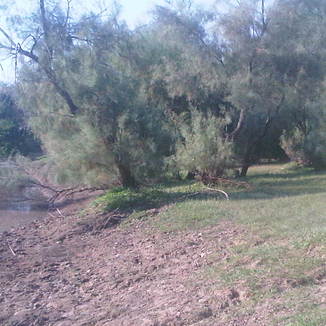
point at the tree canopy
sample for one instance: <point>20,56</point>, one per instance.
<point>193,90</point>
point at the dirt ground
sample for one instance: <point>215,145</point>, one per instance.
<point>61,272</point>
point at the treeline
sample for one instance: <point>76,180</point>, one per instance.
<point>193,91</point>
<point>15,136</point>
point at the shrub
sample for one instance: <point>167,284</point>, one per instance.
<point>293,144</point>
<point>315,148</point>
<point>308,150</point>
<point>202,146</point>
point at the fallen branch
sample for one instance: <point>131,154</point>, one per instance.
<point>58,210</point>
<point>220,181</point>
<point>41,185</point>
<point>71,191</point>
<point>219,190</point>
<point>12,250</point>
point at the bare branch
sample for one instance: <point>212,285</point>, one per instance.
<point>237,129</point>
<point>28,54</point>
<point>68,13</point>
<point>263,13</point>
<point>44,20</point>
<point>219,190</point>
<point>13,44</point>
<point>88,41</point>
<point>12,251</point>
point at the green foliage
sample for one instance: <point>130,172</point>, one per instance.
<point>11,179</point>
<point>116,135</point>
<point>109,103</point>
<point>14,135</point>
<point>293,145</point>
<point>315,145</point>
<point>307,148</point>
<point>203,146</point>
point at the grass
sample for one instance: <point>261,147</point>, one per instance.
<point>124,199</point>
<point>313,318</point>
<point>285,210</point>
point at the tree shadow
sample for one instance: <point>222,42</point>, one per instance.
<point>265,186</point>
<point>268,186</point>
<point>290,175</point>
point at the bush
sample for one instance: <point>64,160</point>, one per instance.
<point>315,148</point>
<point>293,144</point>
<point>308,150</point>
<point>202,146</point>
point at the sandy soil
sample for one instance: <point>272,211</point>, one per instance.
<point>62,272</point>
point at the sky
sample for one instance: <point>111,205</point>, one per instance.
<point>133,11</point>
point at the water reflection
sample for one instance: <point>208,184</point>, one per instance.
<point>21,210</point>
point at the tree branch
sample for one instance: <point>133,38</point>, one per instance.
<point>52,77</point>
<point>237,129</point>
<point>13,44</point>
<point>28,54</point>
<point>68,13</point>
<point>44,20</point>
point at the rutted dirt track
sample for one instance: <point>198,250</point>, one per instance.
<point>66,274</point>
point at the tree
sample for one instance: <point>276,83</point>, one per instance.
<point>15,137</point>
<point>83,90</point>
<point>108,102</point>
<point>303,138</point>
<point>226,70</point>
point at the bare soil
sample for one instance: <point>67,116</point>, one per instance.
<point>62,272</point>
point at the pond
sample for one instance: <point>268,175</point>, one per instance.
<point>21,210</point>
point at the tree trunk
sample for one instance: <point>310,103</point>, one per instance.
<point>244,170</point>
<point>239,126</point>
<point>126,177</point>
<point>191,175</point>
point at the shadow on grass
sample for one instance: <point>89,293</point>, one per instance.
<point>156,198</point>
<point>165,199</point>
<point>286,175</point>
<point>277,185</point>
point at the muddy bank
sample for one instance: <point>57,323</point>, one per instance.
<point>66,272</point>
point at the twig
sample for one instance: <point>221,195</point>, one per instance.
<point>71,191</point>
<point>12,43</point>
<point>221,191</point>
<point>12,251</point>
<point>58,210</point>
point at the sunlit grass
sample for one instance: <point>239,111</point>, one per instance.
<point>285,210</point>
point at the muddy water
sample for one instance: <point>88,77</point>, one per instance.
<point>19,211</point>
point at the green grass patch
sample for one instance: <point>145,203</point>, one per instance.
<point>120,198</point>
<point>311,315</point>
<point>286,210</point>
<point>282,257</point>
<point>147,197</point>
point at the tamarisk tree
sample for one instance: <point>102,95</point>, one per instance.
<point>81,85</point>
